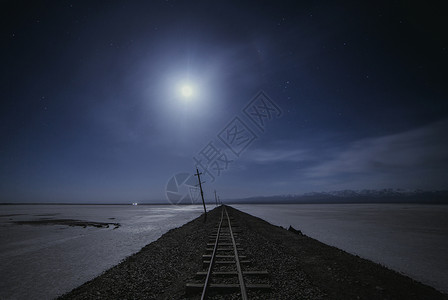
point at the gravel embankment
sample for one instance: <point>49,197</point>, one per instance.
<point>300,267</point>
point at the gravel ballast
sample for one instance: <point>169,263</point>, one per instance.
<point>299,267</point>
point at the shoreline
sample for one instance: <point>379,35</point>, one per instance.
<point>300,267</point>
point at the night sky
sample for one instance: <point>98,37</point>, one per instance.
<point>94,107</point>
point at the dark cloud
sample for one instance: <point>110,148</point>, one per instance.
<point>416,158</point>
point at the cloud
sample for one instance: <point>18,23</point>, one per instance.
<point>266,156</point>
<point>413,159</point>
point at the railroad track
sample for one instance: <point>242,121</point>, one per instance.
<point>223,264</point>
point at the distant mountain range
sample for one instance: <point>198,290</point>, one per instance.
<point>351,196</point>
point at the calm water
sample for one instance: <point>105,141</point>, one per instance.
<point>42,262</point>
<point>411,239</point>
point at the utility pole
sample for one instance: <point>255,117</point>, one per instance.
<point>202,193</point>
<point>216,199</point>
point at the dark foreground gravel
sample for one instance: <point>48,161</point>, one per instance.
<point>299,266</point>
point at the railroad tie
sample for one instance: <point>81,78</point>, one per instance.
<point>223,260</point>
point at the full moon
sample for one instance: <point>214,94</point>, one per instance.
<point>187,91</point>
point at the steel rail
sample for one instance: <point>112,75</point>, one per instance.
<point>212,260</point>
<point>237,261</point>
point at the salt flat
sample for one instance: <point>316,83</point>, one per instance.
<point>411,239</point>
<point>44,261</point>
<point>41,262</point>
